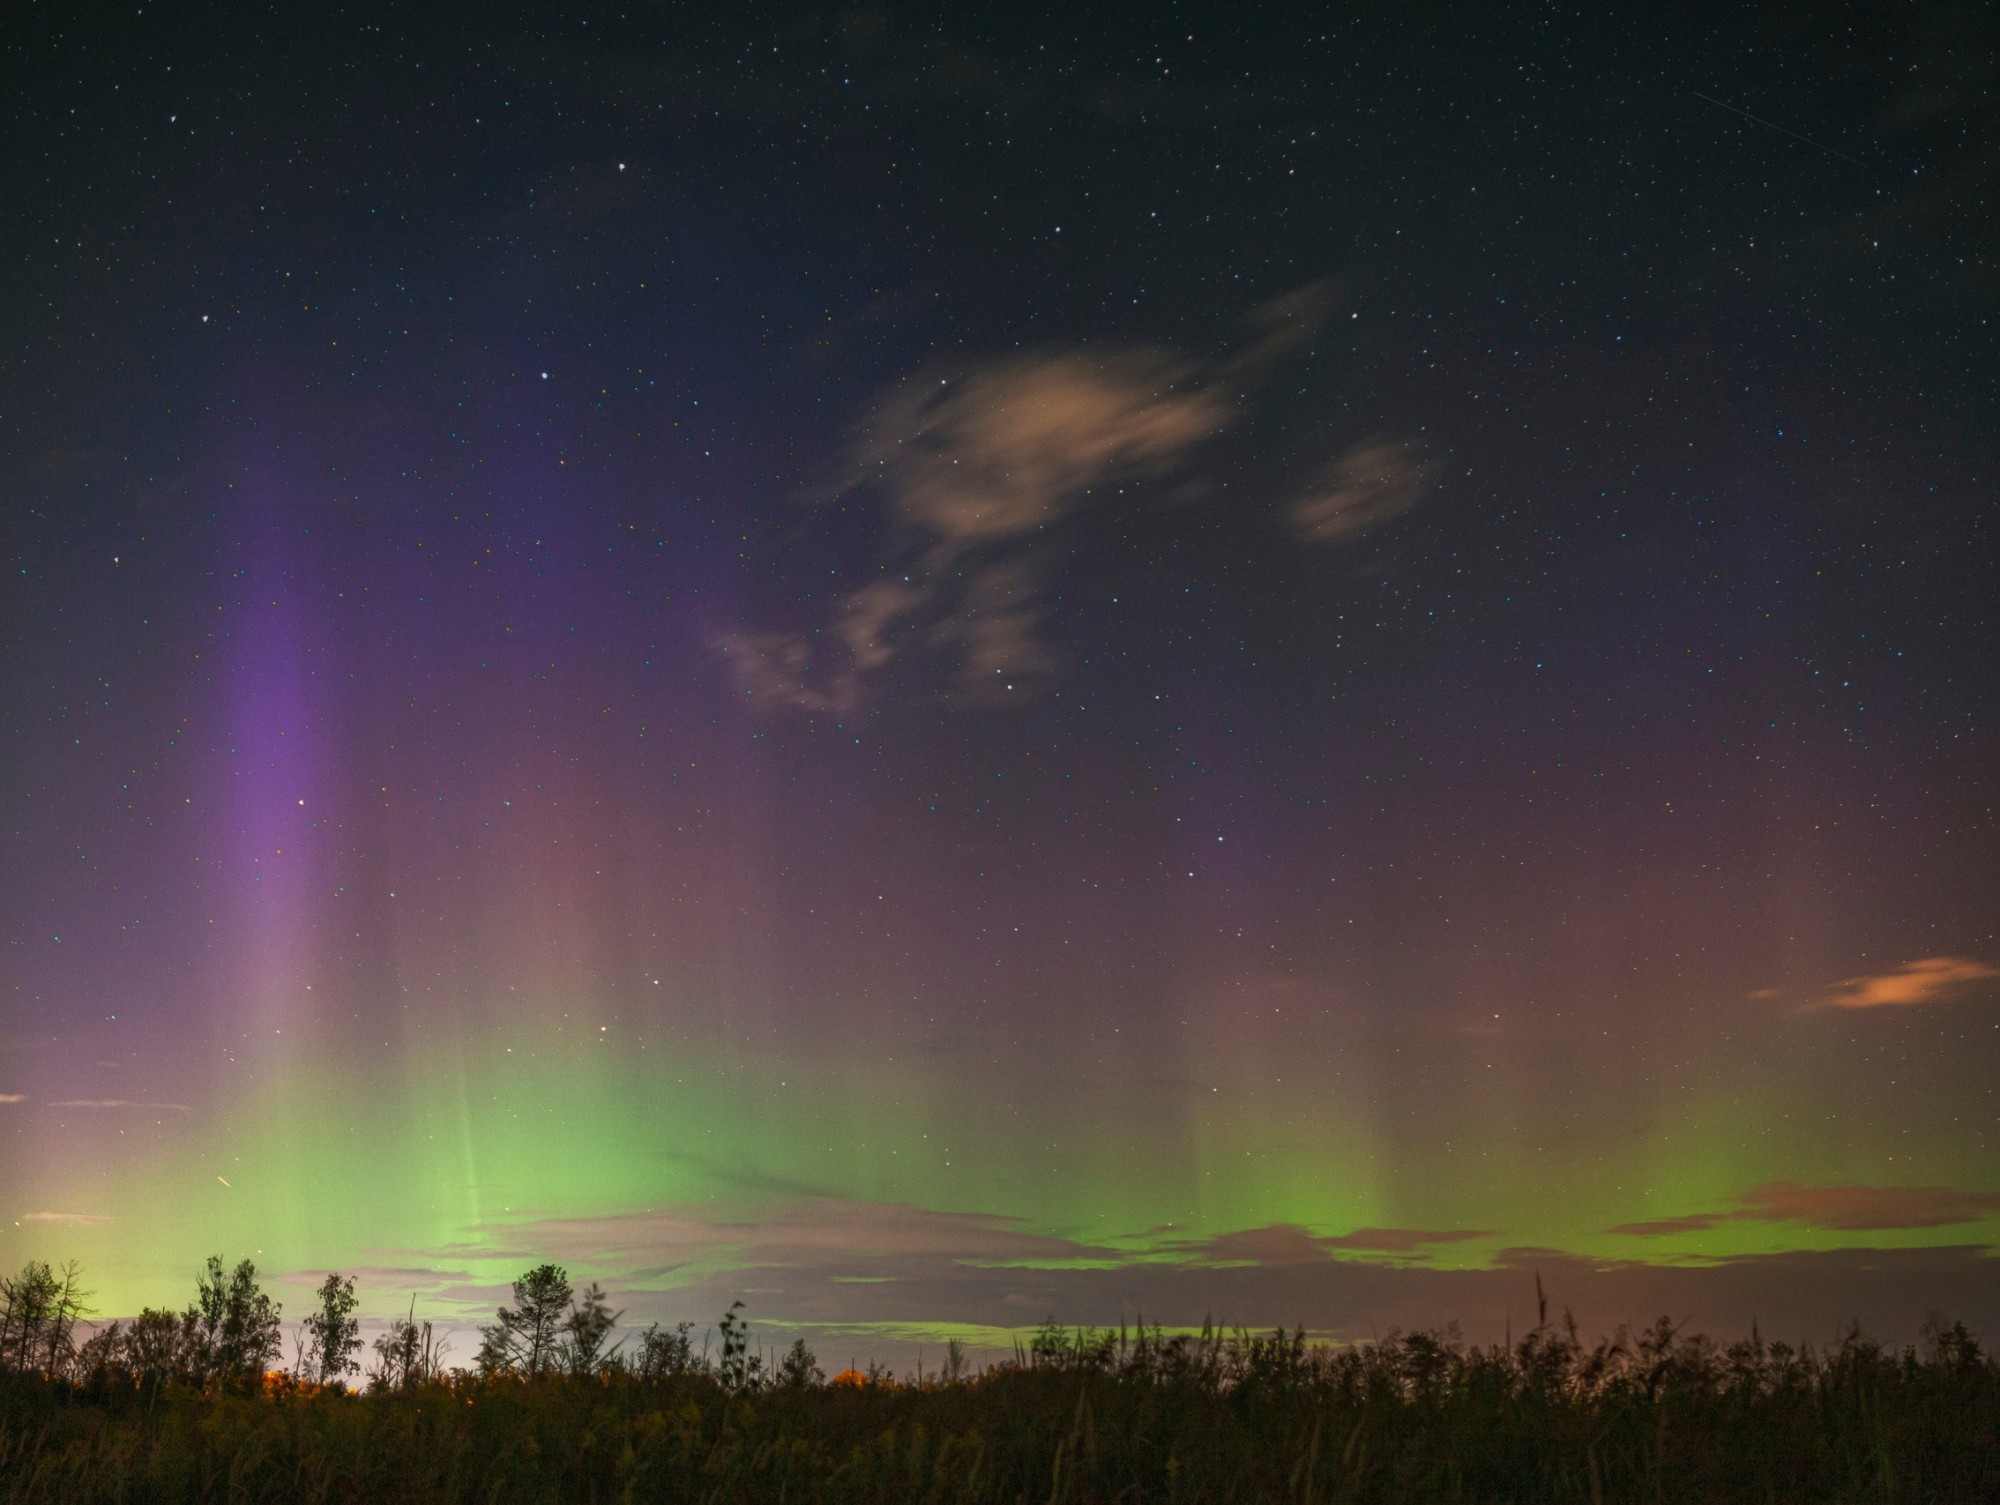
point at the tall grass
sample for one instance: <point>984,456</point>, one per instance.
<point>1087,1416</point>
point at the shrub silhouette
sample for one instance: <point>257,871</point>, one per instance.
<point>799,1368</point>
<point>738,1369</point>
<point>408,1356</point>
<point>667,1355</point>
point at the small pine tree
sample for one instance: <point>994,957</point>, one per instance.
<point>528,1338</point>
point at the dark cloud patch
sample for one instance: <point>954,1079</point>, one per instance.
<point>1852,1208</point>
<point>1403,1240</point>
<point>857,1267</point>
<point>826,1233</point>
<point>1288,1243</point>
<point>418,1278</point>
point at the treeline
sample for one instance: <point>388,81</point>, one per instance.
<point>231,1336</point>
<point>556,1409</point>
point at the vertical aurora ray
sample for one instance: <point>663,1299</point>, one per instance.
<point>733,707</point>
<point>273,867</point>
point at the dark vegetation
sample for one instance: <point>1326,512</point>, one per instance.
<point>185,1406</point>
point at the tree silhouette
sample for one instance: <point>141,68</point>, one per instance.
<point>39,1309</point>
<point>589,1323</point>
<point>233,1324</point>
<point>161,1346</point>
<point>528,1338</point>
<point>332,1333</point>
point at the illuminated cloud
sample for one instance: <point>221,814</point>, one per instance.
<point>979,463</point>
<point>779,668</point>
<point>866,617</point>
<point>1008,446</point>
<point>1924,981</point>
<point>13,1097</point>
<point>992,633</point>
<point>73,1219</point>
<point>1378,479</point>
<point>1848,1208</point>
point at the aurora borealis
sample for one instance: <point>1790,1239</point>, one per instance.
<point>945,671</point>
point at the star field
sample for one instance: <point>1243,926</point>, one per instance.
<point>952,669</point>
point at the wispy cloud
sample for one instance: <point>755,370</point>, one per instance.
<point>13,1097</point>
<point>802,1231</point>
<point>976,462</point>
<point>73,1219</point>
<point>1925,981</point>
<point>979,464</point>
<point>1850,1208</point>
<point>1693,1222</point>
<point>1283,326</point>
<point>1273,1244</point>
<point>1289,1244</point>
<point>900,1241</point>
<point>414,1278</point>
<point>117,1102</point>
<point>1403,1240</point>
<point>1376,480</point>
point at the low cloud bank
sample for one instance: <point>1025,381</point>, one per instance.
<point>853,1267</point>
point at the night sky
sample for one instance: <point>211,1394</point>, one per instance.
<point>938,668</point>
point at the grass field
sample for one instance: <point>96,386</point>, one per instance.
<point>1079,1417</point>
